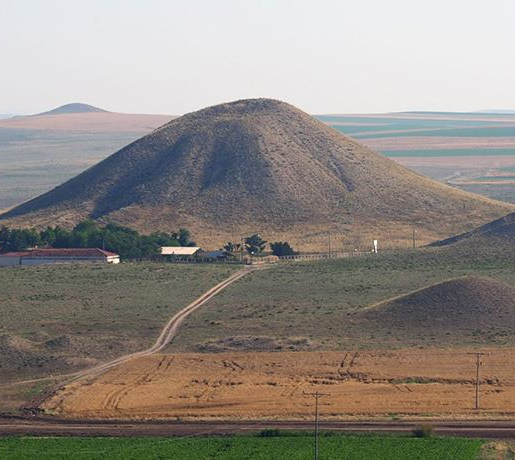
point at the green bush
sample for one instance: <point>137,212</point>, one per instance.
<point>423,431</point>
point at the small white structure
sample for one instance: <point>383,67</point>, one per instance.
<point>179,251</point>
<point>375,247</point>
<point>59,256</point>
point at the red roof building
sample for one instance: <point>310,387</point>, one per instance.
<point>58,255</point>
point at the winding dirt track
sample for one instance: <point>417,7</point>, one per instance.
<point>168,332</point>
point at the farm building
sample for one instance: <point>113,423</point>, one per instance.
<point>221,254</point>
<point>179,251</point>
<point>59,256</point>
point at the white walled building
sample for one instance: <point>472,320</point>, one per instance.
<point>58,256</point>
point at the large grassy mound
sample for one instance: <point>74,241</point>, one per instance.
<point>259,165</point>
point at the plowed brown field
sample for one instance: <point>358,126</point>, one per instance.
<point>429,382</point>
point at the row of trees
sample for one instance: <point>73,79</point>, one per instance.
<point>255,245</point>
<point>123,240</point>
<point>88,234</point>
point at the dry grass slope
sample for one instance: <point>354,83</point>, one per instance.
<point>462,306</point>
<point>258,165</point>
<point>499,232</point>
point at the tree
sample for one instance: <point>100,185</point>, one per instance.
<point>280,248</point>
<point>184,238</point>
<point>62,238</point>
<point>5,235</point>
<point>47,237</point>
<point>232,247</point>
<point>254,244</point>
<point>88,234</point>
<point>19,239</point>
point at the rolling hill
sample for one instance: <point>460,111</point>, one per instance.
<point>497,233</point>
<point>259,165</point>
<point>74,107</point>
<point>466,308</point>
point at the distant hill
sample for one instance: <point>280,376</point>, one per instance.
<point>86,119</point>
<point>498,111</point>
<point>75,107</point>
<point>259,165</point>
<point>468,307</point>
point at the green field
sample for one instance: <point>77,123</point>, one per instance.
<point>309,305</point>
<point>479,152</point>
<point>491,131</point>
<point>239,448</point>
<point>386,132</point>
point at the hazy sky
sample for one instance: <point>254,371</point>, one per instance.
<point>171,56</point>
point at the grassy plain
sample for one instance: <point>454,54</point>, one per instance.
<point>56,319</point>
<point>35,161</point>
<point>311,305</point>
<point>239,447</point>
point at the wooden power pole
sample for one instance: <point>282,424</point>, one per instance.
<point>317,396</point>
<point>478,365</point>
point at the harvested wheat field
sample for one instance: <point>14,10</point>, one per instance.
<point>267,385</point>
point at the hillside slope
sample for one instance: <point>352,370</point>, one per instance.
<point>496,233</point>
<point>469,307</point>
<point>259,165</point>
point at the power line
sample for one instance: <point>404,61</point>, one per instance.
<point>317,396</point>
<point>478,365</point>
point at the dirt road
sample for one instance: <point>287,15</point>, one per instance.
<point>169,331</point>
<point>56,427</point>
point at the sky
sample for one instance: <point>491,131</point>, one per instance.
<point>324,56</point>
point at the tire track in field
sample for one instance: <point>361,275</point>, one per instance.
<point>167,334</point>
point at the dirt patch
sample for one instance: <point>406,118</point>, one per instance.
<point>260,343</point>
<point>20,356</point>
<point>430,382</point>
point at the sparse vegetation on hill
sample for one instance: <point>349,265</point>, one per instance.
<point>318,305</point>
<point>494,235</point>
<point>258,165</point>
<point>57,319</point>
<point>467,307</point>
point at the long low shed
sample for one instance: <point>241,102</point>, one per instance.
<point>59,256</point>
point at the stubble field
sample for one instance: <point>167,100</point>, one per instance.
<point>415,383</point>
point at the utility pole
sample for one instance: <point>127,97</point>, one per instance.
<point>414,239</point>
<point>478,365</point>
<point>317,396</point>
<point>241,249</point>
<point>329,245</point>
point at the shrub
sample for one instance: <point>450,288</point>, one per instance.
<point>270,433</point>
<point>423,431</point>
